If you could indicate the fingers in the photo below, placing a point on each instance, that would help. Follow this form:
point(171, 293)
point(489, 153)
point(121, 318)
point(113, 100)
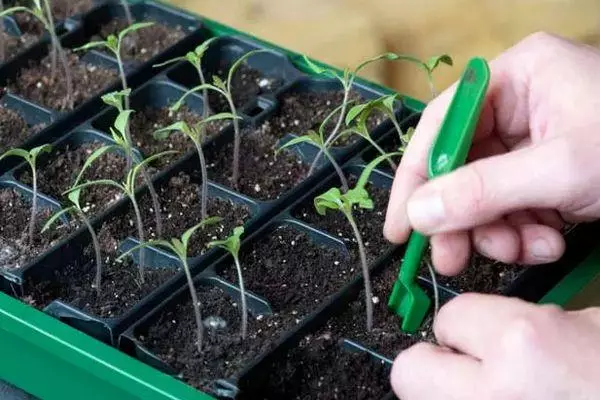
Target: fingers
point(540, 244)
point(498, 241)
point(425, 371)
point(487, 189)
point(450, 252)
point(473, 323)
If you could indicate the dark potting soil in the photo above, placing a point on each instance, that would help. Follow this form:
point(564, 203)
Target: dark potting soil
point(181, 209)
point(370, 222)
point(263, 174)
point(386, 337)
point(15, 249)
point(247, 84)
point(300, 112)
point(63, 166)
point(13, 129)
point(146, 122)
point(292, 272)
point(121, 286)
point(482, 275)
point(61, 9)
point(144, 44)
point(173, 336)
point(35, 82)
point(319, 368)
point(13, 45)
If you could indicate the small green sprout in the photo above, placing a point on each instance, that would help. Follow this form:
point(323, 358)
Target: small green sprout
point(120, 133)
point(114, 43)
point(406, 138)
point(226, 90)
point(76, 210)
point(429, 67)
point(30, 157)
point(195, 58)
point(179, 246)
point(317, 139)
point(197, 134)
point(232, 244)
point(43, 13)
point(128, 187)
point(358, 196)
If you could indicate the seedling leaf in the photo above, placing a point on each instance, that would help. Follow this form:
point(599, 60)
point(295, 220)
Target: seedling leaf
point(232, 243)
point(355, 112)
point(311, 137)
point(317, 69)
point(105, 182)
point(91, 45)
point(185, 238)
point(45, 148)
point(368, 170)
point(17, 153)
point(122, 121)
point(134, 27)
point(331, 199)
point(180, 126)
point(74, 197)
point(238, 63)
point(55, 218)
point(93, 157)
point(160, 243)
point(179, 103)
point(434, 61)
point(360, 197)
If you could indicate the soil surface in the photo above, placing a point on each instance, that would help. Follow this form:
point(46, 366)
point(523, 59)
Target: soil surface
point(15, 249)
point(35, 83)
point(320, 369)
point(247, 84)
point(385, 338)
point(290, 271)
point(144, 44)
point(181, 209)
point(121, 287)
point(14, 130)
point(482, 275)
point(309, 279)
point(303, 111)
point(145, 123)
point(59, 174)
point(370, 222)
point(264, 175)
point(61, 9)
point(16, 44)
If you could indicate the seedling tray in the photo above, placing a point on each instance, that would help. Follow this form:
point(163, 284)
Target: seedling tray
point(304, 288)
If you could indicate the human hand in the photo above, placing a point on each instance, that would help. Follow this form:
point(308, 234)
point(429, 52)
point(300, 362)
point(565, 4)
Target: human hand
point(503, 348)
point(534, 163)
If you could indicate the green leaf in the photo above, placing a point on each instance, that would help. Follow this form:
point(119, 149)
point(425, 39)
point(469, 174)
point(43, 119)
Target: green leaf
point(232, 244)
point(91, 45)
point(99, 182)
point(159, 243)
point(331, 199)
point(113, 44)
point(171, 61)
point(360, 197)
point(238, 63)
point(122, 121)
point(179, 103)
point(368, 170)
point(180, 126)
point(36, 151)
point(74, 197)
point(132, 175)
point(134, 27)
point(310, 137)
point(179, 248)
point(90, 160)
point(218, 82)
point(220, 117)
point(55, 218)
point(433, 62)
point(115, 99)
point(389, 101)
point(200, 50)
point(385, 56)
point(185, 238)
point(118, 137)
point(16, 153)
point(355, 112)
point(317, 69)
point(14, 10)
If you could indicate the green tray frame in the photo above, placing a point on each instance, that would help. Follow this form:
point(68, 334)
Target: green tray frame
point(53, 361)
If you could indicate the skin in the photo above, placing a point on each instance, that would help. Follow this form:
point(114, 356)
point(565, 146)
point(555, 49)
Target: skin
point(534, 165)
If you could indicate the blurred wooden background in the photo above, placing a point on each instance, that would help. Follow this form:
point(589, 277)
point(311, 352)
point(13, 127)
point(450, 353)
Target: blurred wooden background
point(344, 32)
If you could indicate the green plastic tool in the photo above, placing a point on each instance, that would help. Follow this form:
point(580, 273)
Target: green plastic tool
point(449, 151)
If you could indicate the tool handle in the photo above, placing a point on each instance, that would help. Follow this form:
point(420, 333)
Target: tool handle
point(412, 259)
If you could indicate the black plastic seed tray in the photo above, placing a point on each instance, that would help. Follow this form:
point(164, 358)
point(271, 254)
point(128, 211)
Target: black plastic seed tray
point(303, 280)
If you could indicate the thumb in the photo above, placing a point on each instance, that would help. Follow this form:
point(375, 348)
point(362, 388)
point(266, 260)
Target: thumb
point(481, 192)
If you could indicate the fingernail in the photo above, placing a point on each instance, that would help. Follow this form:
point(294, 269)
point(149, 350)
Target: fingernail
point(540, 249)
point(426, 212)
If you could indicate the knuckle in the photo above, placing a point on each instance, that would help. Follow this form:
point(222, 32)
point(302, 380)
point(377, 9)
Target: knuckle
point(529, 331)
